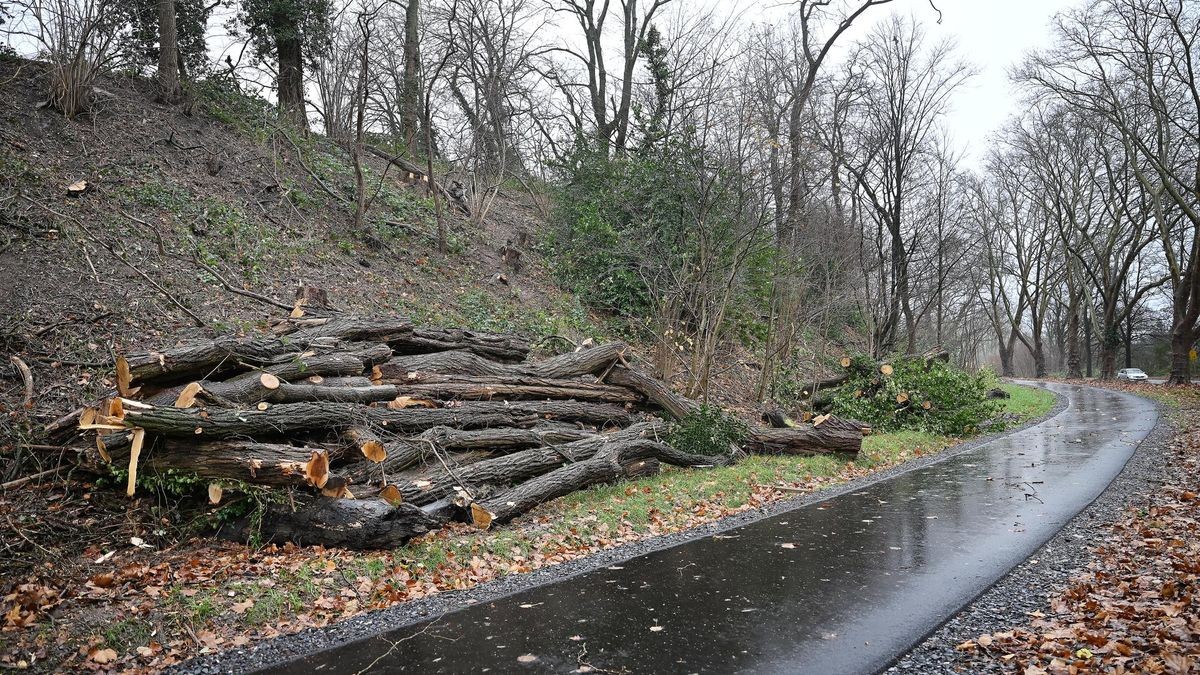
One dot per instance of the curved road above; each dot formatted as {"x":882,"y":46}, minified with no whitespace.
{"x":844,"y":585}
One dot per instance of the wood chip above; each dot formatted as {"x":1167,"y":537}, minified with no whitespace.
{"x":135,"y":451}
{"x":187,"y":397}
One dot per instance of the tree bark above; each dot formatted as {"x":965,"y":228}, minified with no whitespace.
{"x":509,"y":387}
{"x":348,"y":523}
{"x":833,"y":436}
{"x":168,"y":53}
{"x":290,"y":79}
{"x":1181,"y":361}
{"x":287,"y":418}
{"x":272,"y":464}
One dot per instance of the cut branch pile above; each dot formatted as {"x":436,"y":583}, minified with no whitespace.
{"x":373,"y":430}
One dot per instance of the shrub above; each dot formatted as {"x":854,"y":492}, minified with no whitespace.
{"x":931,"y":396}
{"x":707,"y":431}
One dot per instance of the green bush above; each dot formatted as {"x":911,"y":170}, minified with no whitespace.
{"x":941,"y":398}
{"x":707,"y":431}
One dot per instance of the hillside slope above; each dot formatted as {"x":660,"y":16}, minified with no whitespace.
{"x":180,"y":199}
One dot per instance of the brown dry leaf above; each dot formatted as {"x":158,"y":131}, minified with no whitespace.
{"x":242,"y":607}
{"x":402,"y":402}
{"x":106,"y":655}
{"x":102,"y":580}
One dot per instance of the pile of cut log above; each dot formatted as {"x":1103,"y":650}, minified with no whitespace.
{"x":374,"y":430}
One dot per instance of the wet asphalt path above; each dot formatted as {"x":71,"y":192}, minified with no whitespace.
{"x":845,"y":585}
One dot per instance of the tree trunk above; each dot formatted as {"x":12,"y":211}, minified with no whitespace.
{"x":1181,"y":359}
{"x":168,"y":53}
{"x":834,"y":435}
{"x":410,"y":108}
{"x":1073,"y":366}
{"x":259,"y":463}
{"x":285,"y":418}
{"x":351,"y":523}
{"x":290,"y":82}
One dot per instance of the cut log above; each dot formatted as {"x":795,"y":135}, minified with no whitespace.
{"x":406,"y":453}
{"x":507,"y":387}
{"x":367,"y":442}
{"x":404,"y":338}
{"x":288,"y":418}
{"x":258,"y":463}
{"x":833,"y":436}
{"x":348,"y":523}
{"x":519,"y":466}
{"x":605,"y":466}
{"x":585,"y":362}
{"x":449,"y":363}
{"x":654,"y":390}
{"x":505,"y":439}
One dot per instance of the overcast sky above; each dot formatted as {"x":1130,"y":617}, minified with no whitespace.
{"x":994,"y":35}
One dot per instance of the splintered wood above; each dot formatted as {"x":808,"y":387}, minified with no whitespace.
{"x":380,"y":430}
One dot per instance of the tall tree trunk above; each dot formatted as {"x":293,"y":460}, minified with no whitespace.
{"x":410,"y":108}
{"x":1073,"y":367}
{"x":1182,"y":341}
{"x":291,"y":79}
{"x":1039,"y":356}
{"x":1087,"y":340}
{"x":168,"y":53}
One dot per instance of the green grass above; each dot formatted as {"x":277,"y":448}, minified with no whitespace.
{"x":125,"y":636}
{"x":1027,"y":402}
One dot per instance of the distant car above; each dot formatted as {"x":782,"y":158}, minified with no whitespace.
{"x":1132,"y":374}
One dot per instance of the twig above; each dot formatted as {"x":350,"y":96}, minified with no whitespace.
{"x":162,"y":248}
{"x":27,"y":479}
{"x":548,"y":338}
{"x":395,"y":645}
{"x":22,"y":535}
{"x":300,"y":156}
{"x":240,"y":291}
{"x":119,"y":256}
{"x":27,"y":377}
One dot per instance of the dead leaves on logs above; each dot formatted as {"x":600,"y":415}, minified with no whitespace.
{"x":215,"y":492}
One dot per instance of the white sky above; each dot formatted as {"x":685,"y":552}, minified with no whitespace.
{"x":994,"y":35}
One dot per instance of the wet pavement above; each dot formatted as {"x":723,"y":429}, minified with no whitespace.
{"x":845,"y":585}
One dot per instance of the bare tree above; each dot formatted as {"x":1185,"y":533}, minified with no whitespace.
{"x":906,"y":90}
{"x":79,"y":40}
{"x":1133,"y":64}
